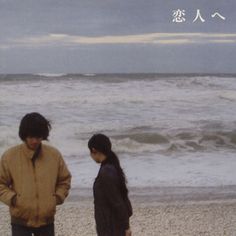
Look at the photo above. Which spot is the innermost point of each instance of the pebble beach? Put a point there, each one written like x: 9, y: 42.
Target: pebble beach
x: 152, y: 217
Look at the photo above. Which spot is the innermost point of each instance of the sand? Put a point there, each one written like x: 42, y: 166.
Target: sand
x: 152, y: 217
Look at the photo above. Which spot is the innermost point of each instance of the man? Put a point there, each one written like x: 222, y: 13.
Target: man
x: 33, y: 179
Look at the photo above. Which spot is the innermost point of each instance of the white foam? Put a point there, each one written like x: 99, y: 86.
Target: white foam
x: 230, y: 95
x: 197, y: 170
x: 51, y: 74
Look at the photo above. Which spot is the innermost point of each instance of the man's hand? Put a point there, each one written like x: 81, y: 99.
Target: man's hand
x: 58, y: 200
x: 13, y: 200
x: 128, y: 232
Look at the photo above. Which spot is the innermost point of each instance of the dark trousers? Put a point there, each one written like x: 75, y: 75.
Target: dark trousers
x: 20, y: 230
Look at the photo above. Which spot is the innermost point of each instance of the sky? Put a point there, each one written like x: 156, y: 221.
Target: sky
x: 117, y: 36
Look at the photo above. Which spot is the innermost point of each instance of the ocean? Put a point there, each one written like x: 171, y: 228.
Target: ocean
x: 168, y: 130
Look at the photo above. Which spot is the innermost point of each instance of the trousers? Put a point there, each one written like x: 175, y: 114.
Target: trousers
x: 20, y: 230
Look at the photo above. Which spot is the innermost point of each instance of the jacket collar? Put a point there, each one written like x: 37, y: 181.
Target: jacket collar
x: 27, y: 152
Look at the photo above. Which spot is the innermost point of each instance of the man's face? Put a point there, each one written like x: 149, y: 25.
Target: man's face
x: 33, y: 142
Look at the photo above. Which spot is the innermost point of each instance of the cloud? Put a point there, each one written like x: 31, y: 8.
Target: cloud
x: 4, y: 47
x: 149, y: 38
x: 223, y: 41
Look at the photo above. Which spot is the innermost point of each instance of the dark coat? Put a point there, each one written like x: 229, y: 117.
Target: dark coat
x: 112, y: 212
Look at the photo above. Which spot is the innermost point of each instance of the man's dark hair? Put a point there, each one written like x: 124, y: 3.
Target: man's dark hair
x: 34, y: 125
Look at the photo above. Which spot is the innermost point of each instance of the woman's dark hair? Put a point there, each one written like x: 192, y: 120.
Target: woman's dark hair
x: 102, y: 143
x: 34, y: 125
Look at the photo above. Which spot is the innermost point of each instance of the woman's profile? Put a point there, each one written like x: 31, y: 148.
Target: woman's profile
x: 112, y: 207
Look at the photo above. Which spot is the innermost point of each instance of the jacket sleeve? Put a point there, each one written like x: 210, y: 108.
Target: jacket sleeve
x: 114, y: 197
x: 6, y: 193
x: 63, y: 182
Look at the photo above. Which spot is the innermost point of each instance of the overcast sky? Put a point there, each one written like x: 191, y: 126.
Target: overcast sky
x: 105, y: 36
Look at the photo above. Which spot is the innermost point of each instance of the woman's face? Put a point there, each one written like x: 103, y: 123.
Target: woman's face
x: 97, y: 156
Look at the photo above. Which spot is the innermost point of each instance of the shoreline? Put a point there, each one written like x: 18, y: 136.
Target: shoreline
x: 166, y: 194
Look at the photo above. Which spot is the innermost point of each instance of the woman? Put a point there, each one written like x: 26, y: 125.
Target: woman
x: 111, y: 203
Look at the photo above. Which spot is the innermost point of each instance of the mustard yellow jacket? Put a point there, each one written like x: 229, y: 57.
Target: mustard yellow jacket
x: 38, y: 188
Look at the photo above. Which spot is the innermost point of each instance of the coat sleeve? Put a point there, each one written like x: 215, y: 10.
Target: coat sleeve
x: 129, y: 206
x: 63, y: 182
x: 114, y: 197
x: 6, y: 193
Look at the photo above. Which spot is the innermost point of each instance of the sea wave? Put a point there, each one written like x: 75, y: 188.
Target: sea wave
x: 51, y: 74
x: 182, y: 141
x: 211, y: 80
